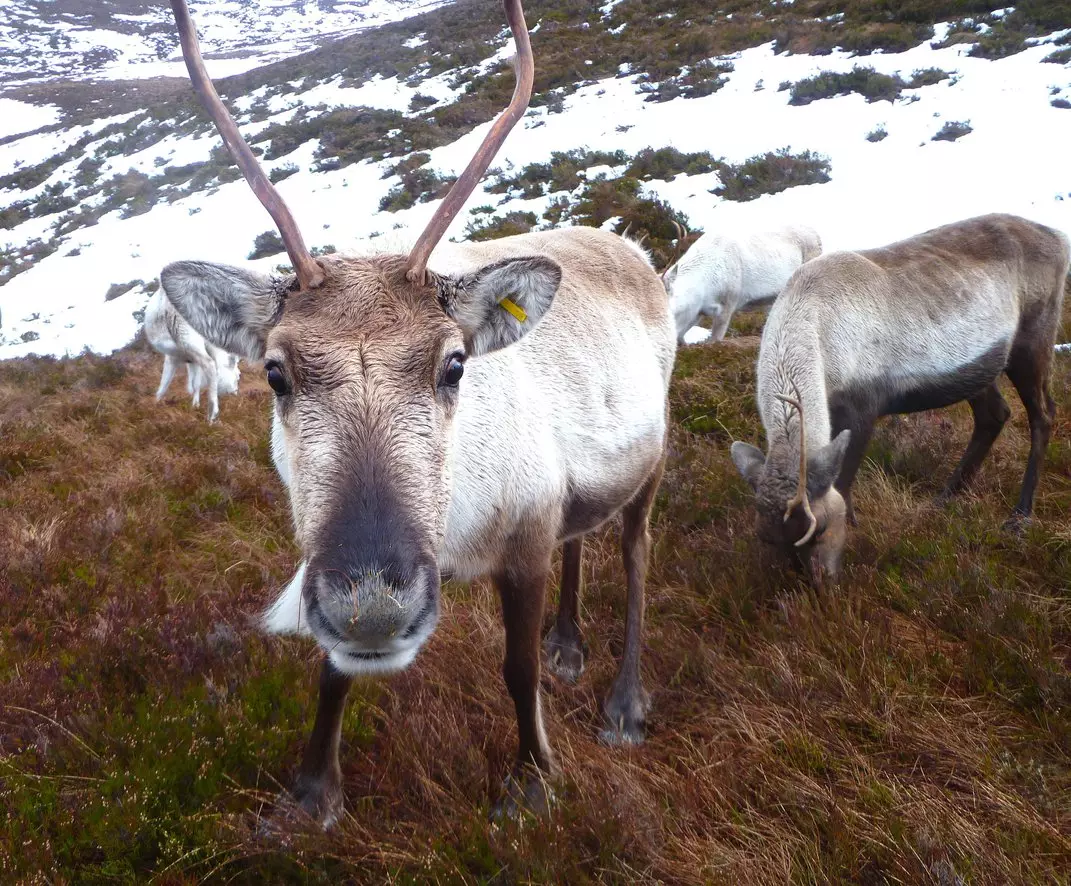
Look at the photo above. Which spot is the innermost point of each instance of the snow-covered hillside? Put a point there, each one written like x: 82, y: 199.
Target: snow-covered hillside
x: 131, y: 39
x: 889, y: 177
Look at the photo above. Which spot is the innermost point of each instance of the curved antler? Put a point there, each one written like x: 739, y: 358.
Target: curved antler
x: 467, y: 181
x: 308, y: 272
x: 800, y: 497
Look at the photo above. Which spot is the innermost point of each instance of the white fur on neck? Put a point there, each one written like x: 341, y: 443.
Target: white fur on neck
x: 287, y: 614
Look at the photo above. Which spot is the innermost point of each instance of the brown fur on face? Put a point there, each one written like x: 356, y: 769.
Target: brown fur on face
x: 364, y: 357
x: 775, y: 486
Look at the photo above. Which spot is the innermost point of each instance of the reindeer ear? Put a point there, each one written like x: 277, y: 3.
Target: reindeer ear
x: 500, y: 303
x: 824, y: 466
x: 234, y: 309
x: 749, y: 461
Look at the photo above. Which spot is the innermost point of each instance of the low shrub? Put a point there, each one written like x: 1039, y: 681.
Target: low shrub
x: 771, y: 173
x: 647, y: 219
x: 512, y: 223
x: 418, y: 185
x: 268, y: 243
x: 561, y: 173
x: 666, y: 163
x: 703, y: 78
x: 282, y: 171
x: 952, y: 130
x: 118, y: 289
x: 876, y: 135
x: 870, y: 84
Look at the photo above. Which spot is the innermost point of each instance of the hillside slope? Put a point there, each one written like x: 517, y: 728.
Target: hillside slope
x: 912, y: 726
x: 924, y: 117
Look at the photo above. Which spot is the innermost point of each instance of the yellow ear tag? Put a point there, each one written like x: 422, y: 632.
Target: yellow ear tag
x: 508, y: 304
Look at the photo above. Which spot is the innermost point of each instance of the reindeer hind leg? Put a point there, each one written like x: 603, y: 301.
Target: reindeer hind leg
x: 627, y: 704
x: 564, y: 643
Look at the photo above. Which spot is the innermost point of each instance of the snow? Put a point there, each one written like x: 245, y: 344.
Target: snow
x: 250, y: 33
x: 18, y: 117
x: 1012, y: 161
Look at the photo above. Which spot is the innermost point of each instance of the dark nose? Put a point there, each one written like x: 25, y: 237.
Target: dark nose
x: 374, y: 608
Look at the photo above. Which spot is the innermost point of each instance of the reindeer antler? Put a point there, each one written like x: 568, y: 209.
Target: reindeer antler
x: 467, y: 181
x: 800, y: 497
x: 309, y: 273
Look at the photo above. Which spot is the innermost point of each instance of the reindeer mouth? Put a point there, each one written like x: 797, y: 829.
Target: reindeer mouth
x: 351, y: 658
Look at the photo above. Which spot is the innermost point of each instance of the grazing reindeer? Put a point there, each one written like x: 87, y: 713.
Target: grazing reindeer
x: 921, y: 324
x: 206, y: 365
x: 724, y: 272
x: 417, y: 442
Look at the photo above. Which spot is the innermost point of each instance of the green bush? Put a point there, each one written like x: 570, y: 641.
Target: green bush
x: 865, y: 81
x: 268, y: 243
x: 282, y: 171
x: 560, y: 173
x: 501, y: 226
x: 418, y: 186
x: 645, y: 218
x: 771, y: 173
x: 704, y: 78
x: 952, y: 130
x: 666, y: 163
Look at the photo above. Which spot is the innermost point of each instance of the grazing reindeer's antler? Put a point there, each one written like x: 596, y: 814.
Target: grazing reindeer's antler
x: 682, y: 235
x: 308, y: 271
x: 467, y: 181
x: 800, y: 497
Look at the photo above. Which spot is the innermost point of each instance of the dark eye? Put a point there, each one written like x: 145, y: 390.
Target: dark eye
x: 455, y: 368
x: 276, y: 379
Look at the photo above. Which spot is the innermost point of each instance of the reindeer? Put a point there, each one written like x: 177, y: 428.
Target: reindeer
x: 206, y: 365
x: 460, y: 420
x: 921, y: 324
x: 724, y: 272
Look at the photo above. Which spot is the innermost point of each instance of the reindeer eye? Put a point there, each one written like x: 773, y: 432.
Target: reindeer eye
x: 455, y: 368
x: 276, y: 379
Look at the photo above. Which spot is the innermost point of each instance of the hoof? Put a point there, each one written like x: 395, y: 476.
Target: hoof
x: 626, y: 715
x: 564, y: 655
x: 319, y: 799
x: 1017, y: 523
x: 524, y: 792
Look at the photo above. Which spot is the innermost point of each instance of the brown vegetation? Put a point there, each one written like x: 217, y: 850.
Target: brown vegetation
x: 913, y: 726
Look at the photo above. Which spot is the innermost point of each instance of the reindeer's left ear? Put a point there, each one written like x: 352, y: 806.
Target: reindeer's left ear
x: 823, y: 467
x: 500, y: 303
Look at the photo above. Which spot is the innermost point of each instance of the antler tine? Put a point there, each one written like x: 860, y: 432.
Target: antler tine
x: 800, y: 497
x: 467, y: 181
x: 309, y: 273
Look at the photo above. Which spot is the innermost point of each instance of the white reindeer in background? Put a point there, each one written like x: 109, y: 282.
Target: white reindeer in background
x: 921, y: 324
x: 723, y: 272
x: 461, y: 421
x: 207, y: 366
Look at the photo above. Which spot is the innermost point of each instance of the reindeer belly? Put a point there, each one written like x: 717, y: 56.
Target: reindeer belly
x: 928, y: 387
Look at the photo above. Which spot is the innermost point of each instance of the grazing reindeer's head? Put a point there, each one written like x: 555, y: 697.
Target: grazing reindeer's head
x: 366, y: 358
x: 799, y: 511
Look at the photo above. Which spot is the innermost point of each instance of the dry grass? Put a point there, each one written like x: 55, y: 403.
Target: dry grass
x: 911, y: 727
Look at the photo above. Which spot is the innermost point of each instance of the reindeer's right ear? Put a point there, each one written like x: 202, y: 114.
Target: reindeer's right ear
x: 749, y: 461
x: 233, y: 308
